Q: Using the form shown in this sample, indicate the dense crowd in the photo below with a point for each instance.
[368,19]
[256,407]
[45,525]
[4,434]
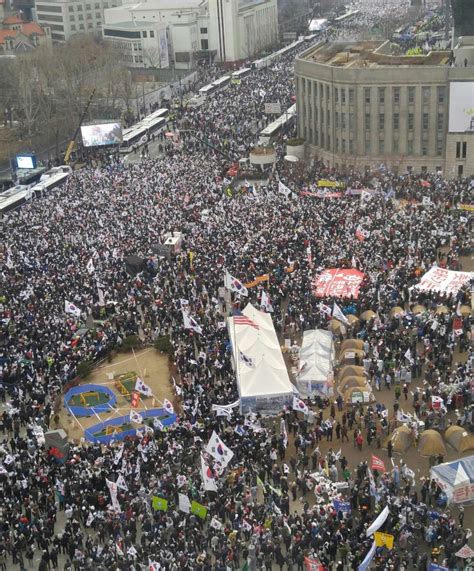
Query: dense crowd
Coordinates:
[274,504]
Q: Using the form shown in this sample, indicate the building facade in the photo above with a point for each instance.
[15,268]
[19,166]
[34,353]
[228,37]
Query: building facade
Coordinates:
[18,36]
[241,29]
[358,106]
[226,31]
[68,17]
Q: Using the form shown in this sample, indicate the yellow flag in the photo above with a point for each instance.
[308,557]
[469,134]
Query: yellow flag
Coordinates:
[382,539]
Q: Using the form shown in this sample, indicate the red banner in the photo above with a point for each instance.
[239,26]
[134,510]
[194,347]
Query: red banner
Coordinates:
[135,399]
[378,464]
[312,564]
[338,283]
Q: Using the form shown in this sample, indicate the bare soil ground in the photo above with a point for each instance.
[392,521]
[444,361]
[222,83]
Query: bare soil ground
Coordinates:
[149,364]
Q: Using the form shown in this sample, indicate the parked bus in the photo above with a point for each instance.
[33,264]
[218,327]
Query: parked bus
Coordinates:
[271,131]
[346,17]
[221,82]
[140,133]
[241,73]
[208,90]
[13,198]
[51,179]
[268,60]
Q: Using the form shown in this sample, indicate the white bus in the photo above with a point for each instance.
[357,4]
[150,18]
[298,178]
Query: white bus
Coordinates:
[140,133]
[241,73]
[269,134]
[221,82]
[51,179]
[268,60]
[208,90]
[13,198]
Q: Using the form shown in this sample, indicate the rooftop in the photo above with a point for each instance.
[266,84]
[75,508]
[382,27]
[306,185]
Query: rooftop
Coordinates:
[370,54]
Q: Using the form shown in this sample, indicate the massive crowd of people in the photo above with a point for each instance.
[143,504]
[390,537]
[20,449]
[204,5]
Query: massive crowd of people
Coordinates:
[274,504]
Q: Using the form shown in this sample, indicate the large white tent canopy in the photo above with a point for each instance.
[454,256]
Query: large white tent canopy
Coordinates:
[316,363]
[456,479]
[262,376]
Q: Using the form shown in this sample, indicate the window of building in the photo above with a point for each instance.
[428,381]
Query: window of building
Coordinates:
[98,15]
[328,142]
[396,146]
[145,34]
[343,121]
[439,121]
[343,146]
[367,94]
[97,6]
[368,148]
[79,8]
[71,18]
[327,92]
[458,150]
[411,95]
[351,146]
[73,28]
[396,95]
[351,96]
[89,16]
[424,149]
[460,170]
[464,150]
[336,119]
[381,120]
[71,8]
[396,121]
[410,147]
[411,121]
[315,88]
[336,94]
[81,17]
[328,118]
[426,120]
[381,146]
[381,95]
[203,30]
[441,93]
[337,144]
[351,121]
[88,6]
[425,93]
[81,26]
[343,95]
[204,44]
[439,148]
[152,33]
[367,121]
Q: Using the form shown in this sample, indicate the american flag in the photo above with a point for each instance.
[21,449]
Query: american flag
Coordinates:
[243,320]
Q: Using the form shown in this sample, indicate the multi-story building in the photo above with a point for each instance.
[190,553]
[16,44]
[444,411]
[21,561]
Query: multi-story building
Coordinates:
[18,36]
[68,17]
[228,31]
[359,106]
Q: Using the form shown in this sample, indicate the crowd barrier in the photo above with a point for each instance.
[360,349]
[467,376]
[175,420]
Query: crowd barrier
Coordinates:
[85,410]
[90,433]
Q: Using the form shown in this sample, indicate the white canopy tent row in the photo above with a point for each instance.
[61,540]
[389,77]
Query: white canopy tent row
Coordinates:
[262,378]
[456,479]
[317,355]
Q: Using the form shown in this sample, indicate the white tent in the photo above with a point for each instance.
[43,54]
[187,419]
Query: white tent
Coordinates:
[456,479]
[317,354]
[262,376]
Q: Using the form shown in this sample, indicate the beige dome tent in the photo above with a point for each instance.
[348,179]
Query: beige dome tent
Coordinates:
[337,327]
[465,310]
[459,438]
[367,315]
[402,439]
[347,357]
[351,344]
[349,382]
[352,318]
[431,444]
[351,371]
[441,309]
[418,309]
[397,311]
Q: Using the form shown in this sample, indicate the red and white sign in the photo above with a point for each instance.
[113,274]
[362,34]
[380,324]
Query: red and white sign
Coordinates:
[340,283]
[312,564]
[465,552]
[378,464]
[447,281]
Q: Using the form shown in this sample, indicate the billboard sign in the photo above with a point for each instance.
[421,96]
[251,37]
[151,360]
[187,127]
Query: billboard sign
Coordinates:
[461,107]
[164,56]
[102,134]
[26,161]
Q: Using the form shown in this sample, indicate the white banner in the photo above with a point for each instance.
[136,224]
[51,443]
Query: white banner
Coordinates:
[441,280]
[378,522]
